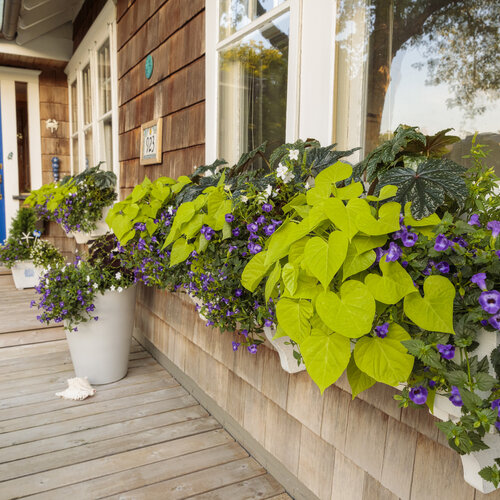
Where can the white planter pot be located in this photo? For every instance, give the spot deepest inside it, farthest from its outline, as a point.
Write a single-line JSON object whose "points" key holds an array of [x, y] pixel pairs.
{"points": [[25, 274], [285, 350], [100, 349], [101, 229]]}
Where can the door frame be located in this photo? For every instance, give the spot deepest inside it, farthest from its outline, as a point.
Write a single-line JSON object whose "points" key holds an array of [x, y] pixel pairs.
{"points": [[8, 78]]}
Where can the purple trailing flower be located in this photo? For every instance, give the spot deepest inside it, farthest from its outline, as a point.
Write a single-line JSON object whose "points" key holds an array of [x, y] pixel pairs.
{"points": [[269, 230], [252, 227], [490, 301], [394, 252], [236, 231], [480, 280], [447, 351], [379, 252], [495, 321], [381, 330], [268, 323], [238, 292], [474, 220], [494, 226], [236, 345], [442, 243], [252, 349], [229, 218], [495, 404], [140, 226], [267, 207], [497, 426], [432, 383], [404, 263], [418, 394], [254, 248], [443, 267], [460, 241], [455, 397], [244, 333], [232, 247], [260, 220], [498, 253], [409, 239], [208, 232], [484, 322]]}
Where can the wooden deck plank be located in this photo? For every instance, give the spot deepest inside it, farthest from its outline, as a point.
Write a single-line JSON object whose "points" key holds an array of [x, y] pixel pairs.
{"points": [[196, 482], [31, 337], [86, 452], [71, 474], [261, 487]]}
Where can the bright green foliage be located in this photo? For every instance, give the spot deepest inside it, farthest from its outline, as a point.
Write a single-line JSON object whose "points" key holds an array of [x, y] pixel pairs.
{"points": [[358, 380], [293, 316], [433, 311], [254, 272]]}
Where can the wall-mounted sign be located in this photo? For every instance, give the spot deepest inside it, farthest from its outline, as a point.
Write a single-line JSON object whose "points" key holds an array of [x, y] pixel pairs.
{"points": [[151, 135], [148, 66]]}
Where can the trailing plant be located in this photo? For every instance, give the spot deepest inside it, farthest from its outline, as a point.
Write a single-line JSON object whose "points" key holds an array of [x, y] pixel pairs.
{"points": [[45, 255]]}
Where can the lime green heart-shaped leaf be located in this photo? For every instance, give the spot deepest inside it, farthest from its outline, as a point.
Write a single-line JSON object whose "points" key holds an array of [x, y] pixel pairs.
{"points": [[293, 316], [386, 192], [307, 288], [385, 360], [433, 311], [361, 244], [387, 222], [325, 356], [358, 380], [323, 259], [181, 250], [254, 271], [272, 280], [395, 283], [318, 195], [343, 219], [350, 314], [355, 263], [335, 173], [353, 190], [290, 276], [296, 252]]}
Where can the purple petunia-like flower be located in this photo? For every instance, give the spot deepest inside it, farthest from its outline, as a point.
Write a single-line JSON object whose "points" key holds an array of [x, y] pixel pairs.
{"points": [[229, 218], [432, 383], [495, 321], [461, 242], [455, 397], [269, 230], [244, 333], [254, 248], [442, 243], [268, 323], [474, 220], [490, 301], [447, 351], [495, 404], [480, 280], [236, 345], [267, 207], [252, 349], [498, 253], [238, 292], [236, 231], [409, 239], [494, 226], [418, 394], [443, 267], [394, 252], [381, 330], [252, 227]]}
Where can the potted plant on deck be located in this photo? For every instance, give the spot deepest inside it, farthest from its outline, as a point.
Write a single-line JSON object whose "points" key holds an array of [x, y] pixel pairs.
{"points": [[95, 301]]}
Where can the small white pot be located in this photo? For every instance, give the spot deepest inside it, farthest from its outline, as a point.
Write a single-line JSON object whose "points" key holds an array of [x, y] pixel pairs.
{"points": [[101, 229], [100, 349], [284, 348], [25, 274]]}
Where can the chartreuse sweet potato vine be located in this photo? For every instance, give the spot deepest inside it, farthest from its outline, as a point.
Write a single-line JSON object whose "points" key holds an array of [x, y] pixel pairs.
{"points": [[320, 266]]}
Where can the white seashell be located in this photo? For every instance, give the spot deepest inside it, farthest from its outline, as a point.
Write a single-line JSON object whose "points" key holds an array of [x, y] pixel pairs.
{"points": [[78, 389]]}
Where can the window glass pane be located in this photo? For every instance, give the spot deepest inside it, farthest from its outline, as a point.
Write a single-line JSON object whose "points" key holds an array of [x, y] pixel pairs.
{"points": [[104, 71], [76, 157], [235, 14], [106, 142], [74, 106], [253, 90], [89, 152], [23, 153], [422, 63], [87, 103]]}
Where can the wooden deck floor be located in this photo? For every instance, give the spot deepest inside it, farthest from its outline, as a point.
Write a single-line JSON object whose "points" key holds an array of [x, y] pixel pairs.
{"points": [[143, 437]]}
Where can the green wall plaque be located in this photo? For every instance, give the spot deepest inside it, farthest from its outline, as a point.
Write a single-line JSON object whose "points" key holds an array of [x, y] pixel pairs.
{"points": [[148, 68]]}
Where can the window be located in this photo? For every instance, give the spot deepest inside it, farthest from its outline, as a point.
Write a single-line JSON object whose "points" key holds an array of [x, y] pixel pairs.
{"points": [[93, 96], [418, 63], [255, 91]]}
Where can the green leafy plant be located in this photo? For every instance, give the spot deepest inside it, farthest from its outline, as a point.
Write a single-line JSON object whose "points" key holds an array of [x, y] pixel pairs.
{"points": [[45, 255]]}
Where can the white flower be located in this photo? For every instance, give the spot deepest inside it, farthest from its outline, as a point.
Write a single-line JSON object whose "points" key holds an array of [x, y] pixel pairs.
{"points": [[227, 187], [208, 173], [281, 170], [119, 289], [293, 154], [118, 275], [94, 286], [170, 210], [88, 279], [244, 199], [268, 191], [112, 288], [307, 185]]}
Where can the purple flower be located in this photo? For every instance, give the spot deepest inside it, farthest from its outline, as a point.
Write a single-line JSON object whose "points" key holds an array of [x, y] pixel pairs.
{"points": [[409, 239], [236, 231], [32, 303], [474, 220], [455, 397], [447, 351], [394, 252], [460, 241], [379, 252], [432, 384], [236, 345], [140, 226], [495, 321], [404, 263], [443, 267], [267, 207], [442, 243], [269, 230], [96, 318], [260, 220], [229, 218], [254, 248], [484, 322], [495, 404], [480, 280], [498, 253], [238, 292], [490, 301], [418, 394], [252, 349], [252, 227], [244, 333], [268, 323], [497, 426], [381, 331], [208, 232], [232, 247], [494, 226]]}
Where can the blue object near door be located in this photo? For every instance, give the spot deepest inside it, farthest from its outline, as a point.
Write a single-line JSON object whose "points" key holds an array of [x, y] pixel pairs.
{"points": [[3, 232]]}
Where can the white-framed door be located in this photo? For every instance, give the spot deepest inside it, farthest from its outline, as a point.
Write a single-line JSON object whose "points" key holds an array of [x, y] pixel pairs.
{"points": [[8, 79]]}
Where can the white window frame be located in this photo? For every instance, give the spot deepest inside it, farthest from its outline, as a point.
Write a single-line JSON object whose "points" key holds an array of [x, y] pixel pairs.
{"points": [[310, 92], [103, 29]]}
